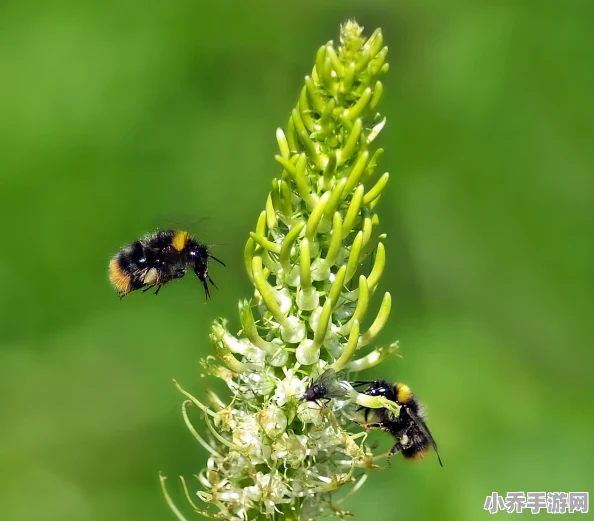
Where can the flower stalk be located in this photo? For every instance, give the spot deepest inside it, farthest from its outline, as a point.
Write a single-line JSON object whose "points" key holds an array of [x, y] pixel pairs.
{"points": [[315, 259]]}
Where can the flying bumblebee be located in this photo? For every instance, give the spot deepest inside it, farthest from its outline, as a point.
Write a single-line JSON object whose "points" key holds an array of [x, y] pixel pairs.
{"points": [[413, 438], [324, 387], [158, 258]]}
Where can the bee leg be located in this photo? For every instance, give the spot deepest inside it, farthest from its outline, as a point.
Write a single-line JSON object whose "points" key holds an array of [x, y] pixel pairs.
{"points": [[212, 281], [158, 289], [368, 426], [202, 275], [206, 290], [394, 450], [147, 288]]}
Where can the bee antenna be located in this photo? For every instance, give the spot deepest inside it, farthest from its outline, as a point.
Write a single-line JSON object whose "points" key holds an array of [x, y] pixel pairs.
{"points": [[218, 260], [359, 383]]}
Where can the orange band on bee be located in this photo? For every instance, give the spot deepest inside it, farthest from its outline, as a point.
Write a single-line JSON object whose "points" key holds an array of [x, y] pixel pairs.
{"points": [[417, 455], [119, 280]]}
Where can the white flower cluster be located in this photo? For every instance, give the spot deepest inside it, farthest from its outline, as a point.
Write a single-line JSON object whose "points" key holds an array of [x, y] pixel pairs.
{"points": [[313, 457]]}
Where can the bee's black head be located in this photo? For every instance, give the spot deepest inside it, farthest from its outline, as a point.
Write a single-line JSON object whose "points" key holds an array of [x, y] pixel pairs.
{"points": [[381, 388], [198, 255]]}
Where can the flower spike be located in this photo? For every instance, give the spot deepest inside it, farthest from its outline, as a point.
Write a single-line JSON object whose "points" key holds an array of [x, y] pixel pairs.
{"points": [[315, 258]]}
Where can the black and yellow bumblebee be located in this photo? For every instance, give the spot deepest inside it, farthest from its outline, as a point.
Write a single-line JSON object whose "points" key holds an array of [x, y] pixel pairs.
{"points": [[157, 259], [413, 438]]}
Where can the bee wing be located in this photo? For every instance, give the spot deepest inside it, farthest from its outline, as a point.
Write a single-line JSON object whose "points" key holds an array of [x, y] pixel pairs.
{"points": [[425, 430], [181, 220], [328, 378]]}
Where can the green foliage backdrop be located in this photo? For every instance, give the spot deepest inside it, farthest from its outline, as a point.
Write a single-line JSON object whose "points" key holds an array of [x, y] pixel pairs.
{"points": [[118, 117]]}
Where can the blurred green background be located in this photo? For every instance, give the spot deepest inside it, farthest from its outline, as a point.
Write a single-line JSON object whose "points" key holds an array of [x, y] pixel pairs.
{"points": [[116, 114]]}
